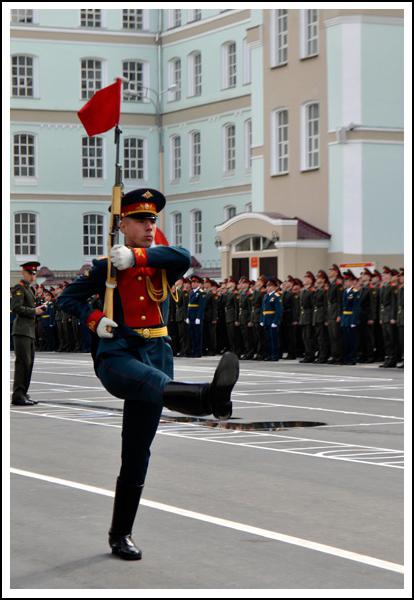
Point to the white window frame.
(93, 180)
(305, 154)
(248, 207)
(35, 74)
(26, 257)
(226, 149)
(227, 81)
(172, 18)
(247, 63)
(304, 30)
(192, 164)
(177, 238)
(102, 13)
(174, 95)
(89, 256)
(194, 80)
(34, 21)
(230, 211)
(145, 83)
(144, 159)
(194, 15)
(26, 179)
(277, 156)
(90, 90)
(175, 163)
(145, 20)
(279, 38)
(248, 142)
(196, 237)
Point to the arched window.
(177, 229)
(197, 232)
(174, 79)
(175, 158)
(229, 65)
(194, 73)
(229, 148)
(195, 154)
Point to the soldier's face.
(386, 277)
(29, 276)
(139, 233)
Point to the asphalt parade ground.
(301, 489)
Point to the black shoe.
(401, 366)
(225, 378)
(31, 399)
(23, 402)
(306, 360)
(124, 547)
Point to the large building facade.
(276, 135)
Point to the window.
(247, 63)
(25, 234)
(21, 16)
(22, 72)
(194, 74)
(279, 37)
(310, 33)
(194, 15)
(133, 20)
(92, 158)
(174, 76)
(91, 77)
(229, 212)
(133, 70)
(195, 154)
(280, 142)
(174, 18)
(229, 148)
(229, 65)
(248, 207)
(93, 235)
(175, 151)
(197, 232)
(248, 144)
(134, 158)
(177, 233)
(311, 136)
(90, 17)
(253, 244)
(24, 155)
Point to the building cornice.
(364, 19)
(255, 216)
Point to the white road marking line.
(358, 425)
(244, 528)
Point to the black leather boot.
(127, 497)
(201, 399)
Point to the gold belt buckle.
(146, 333)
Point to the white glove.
(261, 324)
(122, 257)
(352, 326)
(102, 331)
(274, 325)
(197, 321)
(187, 321)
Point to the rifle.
(113, 236)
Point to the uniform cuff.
(140, 256)
(93, 319)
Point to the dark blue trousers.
(137, 373)
(272, 336)
(350, 343)
(196, 334)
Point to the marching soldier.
(335, 292)
(272, 310)
(350, 317)
(368, 309)
(259, 343)
(195, 316)
(400, 318)
(305, 319)
(244, 318)
(320, 316)
(133, 358)
(388, 317)
(23, 305)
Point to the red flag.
(160, 239)
(102, 111)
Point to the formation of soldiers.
(333, 317)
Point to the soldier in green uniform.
(320, 316)
(305, 319)
(210, 316)
(335, 293)
(368, 308)
(244, 318)
(400, 318)
(183, 295)
(388, 317)
(259, 344)
(23, 305)
(231, 311)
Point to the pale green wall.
(334, 78)
(336, 200)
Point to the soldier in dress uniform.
(259, 336)
(222, 339)
(320, 316)
(296, 349)
(183, 295)
(400, 318)
(306, 314)
(23, 305)
(388, 317)
(272, 310)
(286, 333)
(244, 318)
(376, 282)
(132, 355)
(350, 317)
(231, 311)
(368, 310)
(195, 316)
(335, 293)
(210, 316)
